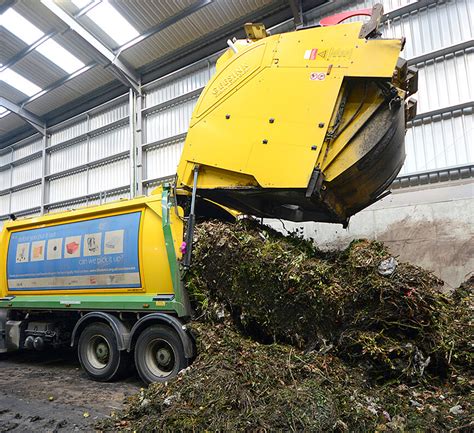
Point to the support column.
(44, 173)
(139, 143)
(132, 110)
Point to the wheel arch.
(121, 331)
(164, 319)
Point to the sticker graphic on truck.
(98, 253)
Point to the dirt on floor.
(48, 392)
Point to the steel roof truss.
(35, 121)
(106, 57)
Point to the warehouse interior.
(128, 126)
(105, 117)
(96, 97)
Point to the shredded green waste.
(291, 338)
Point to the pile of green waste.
(292, 338)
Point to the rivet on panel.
(321, 125)
(314, 147)
(271, 120)
(227, 116)
(264, 141)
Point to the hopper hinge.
(315, 182)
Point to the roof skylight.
(19, 82)
(29, 34)
(60, 56)
(20, 26)
(3, 112)
(81, 3)
(110, 21)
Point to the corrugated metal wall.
(441, 24)
(86, 161)
(88, 157)
(445, 81)
(26, 198)
(440, 141)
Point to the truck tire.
(159, 354)
(99, 355)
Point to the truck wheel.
(99, 355)
(159, 354)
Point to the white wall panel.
(109, 143)
(26, 172)
(108, 116)
(170, 121)
(109, 197)
(68, 187)
(117, 196)
(439, 144)
(100, 199)
(5, 158)
(445, 81)
(162, 161)
(5, 180)
(68, 157)
(180, 86)
(26, 198)
(28, 149)
(71, 205)
(4, 204)
(109, 176)
(69, 132)
(431, 28)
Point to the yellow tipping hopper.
(305, 126)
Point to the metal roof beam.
(452, 49)
(6, 4)
(87, 8)
(105, 56)
(26, 115)
(296, 7)
(23, 53)
(59, 83)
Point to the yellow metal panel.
(339, 47)
(265, 113)
(266, 132)
(375, 58)
(284, 152)
(3, 262)
(333, 45)
(231, 76)
(153, 259)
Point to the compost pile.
(292, 338)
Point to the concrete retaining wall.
(430, 226)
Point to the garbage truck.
(305, 126)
